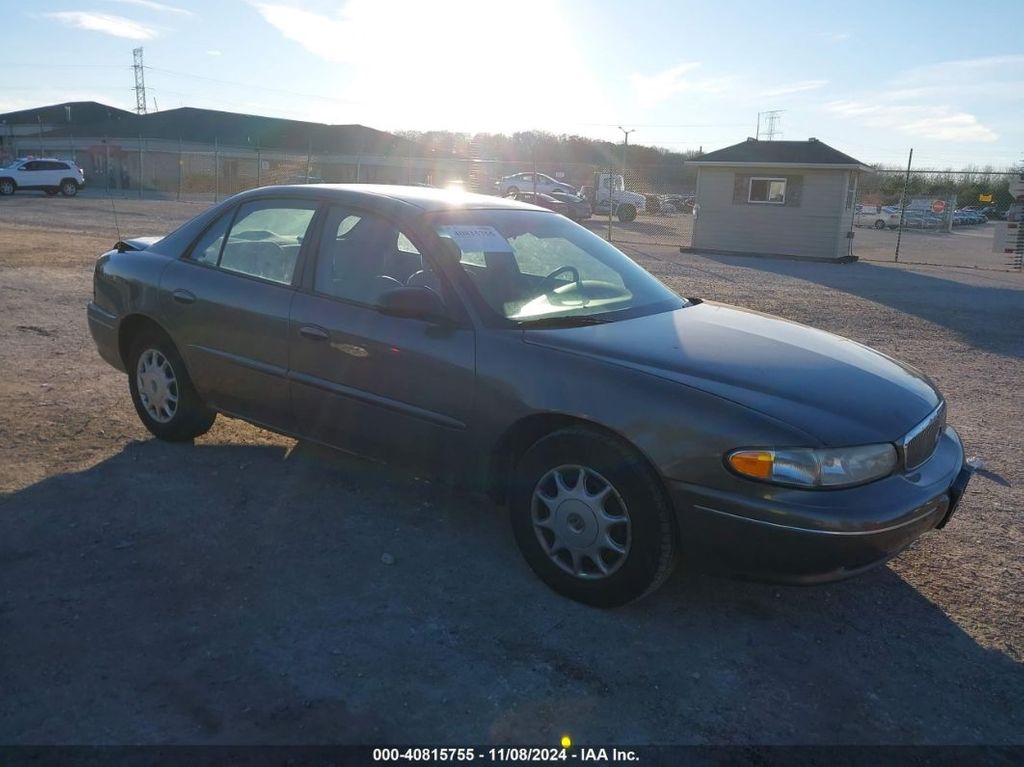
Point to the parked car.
(44, 174)
(579, 207)
(516, 352)
(677, 203)
(524, 182)
(544, 201)
(875, 217)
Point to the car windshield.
(533, 267)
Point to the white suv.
(47, 174)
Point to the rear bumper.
(818, 536)
(103, 328)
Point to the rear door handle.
(183, 296)
(314, 333)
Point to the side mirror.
(415, 303)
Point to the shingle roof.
(811, 152)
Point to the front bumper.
(805, 536)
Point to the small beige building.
(788, 198)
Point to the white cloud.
(797, 87)
(654, 89)
(154, 6)
(942, 100)
(108, 24)
(214, 52)
(461, 64)
(934, 122)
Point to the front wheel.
(162, 392)
(69, 188)
(591, 519)
(6, 186)
(879, 224)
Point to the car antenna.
(117, 228)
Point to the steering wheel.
(548, 287)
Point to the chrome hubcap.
(157, 385)
(581, 522)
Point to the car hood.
(833, 389)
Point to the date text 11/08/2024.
(505, 754)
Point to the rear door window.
(264, 240)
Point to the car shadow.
(974, 308)
(253, 594)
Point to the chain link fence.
(937, 218)
(919, 217)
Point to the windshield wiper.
(570, 321)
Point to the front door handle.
(183, 296)
(314, 333)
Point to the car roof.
(427, 199)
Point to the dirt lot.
(234, 591)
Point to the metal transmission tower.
(140, 81)
(772, 120)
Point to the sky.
(870, 79)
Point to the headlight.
(803, 467)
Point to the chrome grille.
(919, 443)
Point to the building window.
(767, 190)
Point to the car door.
(53, 173)
(227, 303)
(394, 388)
(31, 175)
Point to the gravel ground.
(234, 591)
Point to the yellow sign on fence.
(984, 198)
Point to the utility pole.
(625, 146)
(39, 121)
(140, 81)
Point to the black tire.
(190, 418)
(69, 187)
(512, 191)
(51, 191)
(626, 213)
(7, 186)
(879, 224)
(651, 553)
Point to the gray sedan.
(513, 351)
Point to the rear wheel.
(69, 187)
(591, 519)
(167, 403)
(626, 213)
(7, 186)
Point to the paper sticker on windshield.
(477, 239)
